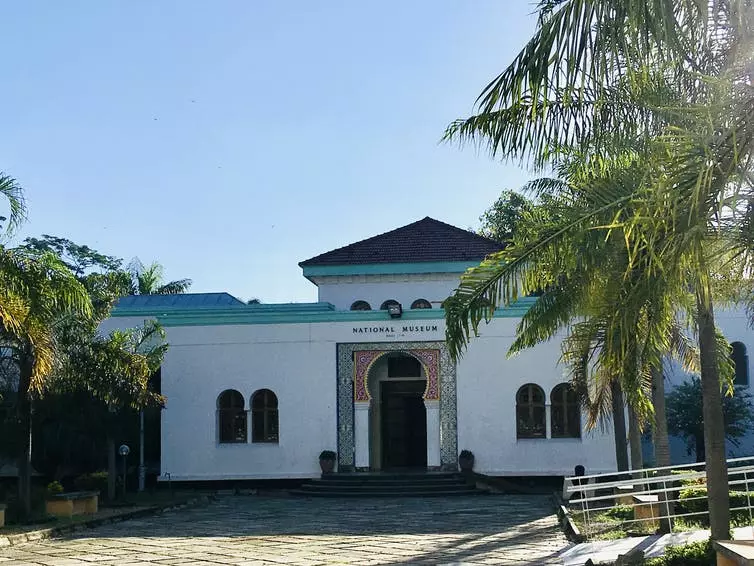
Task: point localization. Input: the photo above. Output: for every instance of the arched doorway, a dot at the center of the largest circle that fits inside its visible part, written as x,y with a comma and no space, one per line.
398,417
357,406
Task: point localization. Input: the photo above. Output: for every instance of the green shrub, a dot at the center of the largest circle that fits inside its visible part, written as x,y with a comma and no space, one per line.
688,482
96,481
686,503
54,488
694,554
621,512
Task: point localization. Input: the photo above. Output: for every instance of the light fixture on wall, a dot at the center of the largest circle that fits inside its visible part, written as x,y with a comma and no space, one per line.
395,310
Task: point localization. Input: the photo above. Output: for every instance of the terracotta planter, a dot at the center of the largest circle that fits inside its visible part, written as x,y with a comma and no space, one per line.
73,503
327,466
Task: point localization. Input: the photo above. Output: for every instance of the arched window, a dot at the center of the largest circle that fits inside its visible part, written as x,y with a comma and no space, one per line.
565,412
387,304
421,304
264,416
530,412
361,306
741,363
231,417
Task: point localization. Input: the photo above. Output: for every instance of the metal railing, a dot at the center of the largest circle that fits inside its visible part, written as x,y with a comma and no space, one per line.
655,496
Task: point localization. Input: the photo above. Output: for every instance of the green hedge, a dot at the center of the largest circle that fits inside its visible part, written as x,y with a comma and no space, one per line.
96,481
695,554
687,504
688,482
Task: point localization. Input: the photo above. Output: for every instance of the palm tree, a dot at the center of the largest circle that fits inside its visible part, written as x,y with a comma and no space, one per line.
670,79
36,293
149,280
13,193
583,276
116,370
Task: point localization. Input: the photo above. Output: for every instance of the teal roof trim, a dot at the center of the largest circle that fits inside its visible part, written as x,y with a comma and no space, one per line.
180,300
389,268
294,313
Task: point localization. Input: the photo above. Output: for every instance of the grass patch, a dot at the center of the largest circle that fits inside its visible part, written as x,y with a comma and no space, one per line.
611,523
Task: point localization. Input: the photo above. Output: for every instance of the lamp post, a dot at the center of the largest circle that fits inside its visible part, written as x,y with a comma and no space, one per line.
142,468
395,310
124,450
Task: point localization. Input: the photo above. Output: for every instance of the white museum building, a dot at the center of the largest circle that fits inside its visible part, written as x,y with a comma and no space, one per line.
258,391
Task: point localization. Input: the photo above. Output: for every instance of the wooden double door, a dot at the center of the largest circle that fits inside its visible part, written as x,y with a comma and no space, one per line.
404,424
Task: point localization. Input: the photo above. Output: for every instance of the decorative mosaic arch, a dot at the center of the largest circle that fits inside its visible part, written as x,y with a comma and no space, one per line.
365,360
354,363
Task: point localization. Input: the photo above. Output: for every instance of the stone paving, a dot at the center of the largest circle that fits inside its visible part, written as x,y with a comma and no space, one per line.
245,530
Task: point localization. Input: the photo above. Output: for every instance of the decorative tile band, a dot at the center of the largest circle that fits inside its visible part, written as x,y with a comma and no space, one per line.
364,362
441,384
430,359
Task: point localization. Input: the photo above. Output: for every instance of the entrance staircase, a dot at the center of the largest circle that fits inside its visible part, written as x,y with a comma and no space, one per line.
388,484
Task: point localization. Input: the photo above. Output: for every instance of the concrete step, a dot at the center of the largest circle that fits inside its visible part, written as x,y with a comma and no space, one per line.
435,483
393,477
386,493
389,484
360,479
361,488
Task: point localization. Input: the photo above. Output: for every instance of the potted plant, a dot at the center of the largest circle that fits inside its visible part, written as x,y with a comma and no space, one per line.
327,461
466,460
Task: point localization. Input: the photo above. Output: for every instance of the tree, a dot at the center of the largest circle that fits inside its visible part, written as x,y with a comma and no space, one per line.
501,220
115,370
602,397
80,259
149,280
36,293
684,407
13,194
668,80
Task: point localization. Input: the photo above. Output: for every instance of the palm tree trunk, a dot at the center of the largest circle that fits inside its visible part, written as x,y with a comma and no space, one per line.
714,427
23,413
699,449
619,426
660,428
634,440
661,443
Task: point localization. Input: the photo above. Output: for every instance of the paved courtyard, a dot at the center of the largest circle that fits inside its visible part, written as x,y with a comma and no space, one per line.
258,530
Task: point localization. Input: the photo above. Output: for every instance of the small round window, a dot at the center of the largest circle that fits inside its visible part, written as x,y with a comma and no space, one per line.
421,304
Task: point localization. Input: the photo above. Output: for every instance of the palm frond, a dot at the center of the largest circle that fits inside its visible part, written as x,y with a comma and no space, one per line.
14,195
174,287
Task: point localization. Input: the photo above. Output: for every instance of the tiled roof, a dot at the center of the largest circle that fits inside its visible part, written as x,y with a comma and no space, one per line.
183,300
424,240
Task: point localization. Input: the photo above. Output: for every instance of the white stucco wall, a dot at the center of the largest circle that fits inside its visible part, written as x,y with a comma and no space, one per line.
487,386
204,361
298,363
734,323
121,323
375,289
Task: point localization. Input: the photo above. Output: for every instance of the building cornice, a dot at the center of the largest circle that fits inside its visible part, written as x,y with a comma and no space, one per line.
388,268
306,313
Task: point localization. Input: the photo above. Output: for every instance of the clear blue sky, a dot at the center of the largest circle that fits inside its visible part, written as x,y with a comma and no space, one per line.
232,139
